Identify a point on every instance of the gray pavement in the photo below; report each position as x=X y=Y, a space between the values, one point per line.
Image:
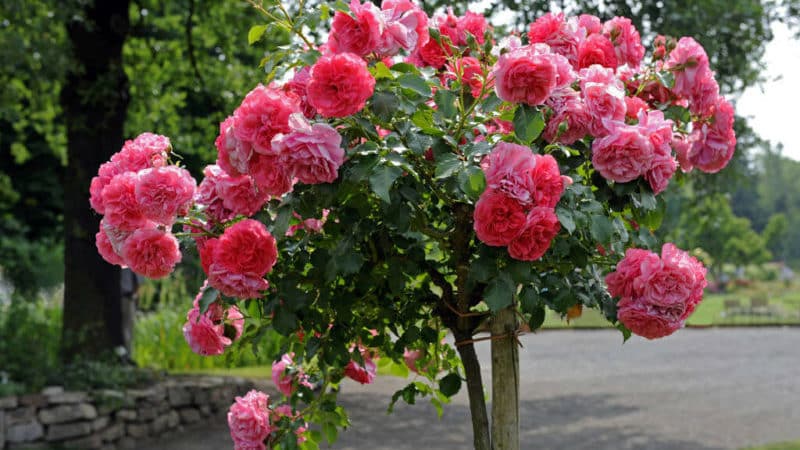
x=696 y=390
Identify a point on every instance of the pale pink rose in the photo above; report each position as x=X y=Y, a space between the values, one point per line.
x=233 y=155
x=509 y=169
x=264 y=112
x=553 y=30
x=713 y=143
x=704 y=94
x=621 y=281
x=605 y=103
x=474 y=24
x=249 y=418
x=596 y=49
x=271 y=174
x=624 y=155
x=106 y=250
x=541 y=226
x=146 y=150
x=627 y=42
x=340 y=85
x=298 y=86
x=313 y=152
x=689 y=63
x=525 y=75
x=151 y=252
x=121 y=208
x=364 y=374
x=163 y=193
x=600 y=75
x=359 y=32
x=588 y=23
x=406 y=26
x=571 y=111
x=661 y=171
x=549 y=185
x=498 y=218
x=117 y=237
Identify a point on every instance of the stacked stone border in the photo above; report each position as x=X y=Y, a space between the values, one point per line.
x=111 y=419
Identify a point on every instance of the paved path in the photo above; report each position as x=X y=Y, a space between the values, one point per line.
x=696 y=390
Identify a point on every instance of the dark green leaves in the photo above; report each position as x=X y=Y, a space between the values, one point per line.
x=450 y=384
x=415 y=83
x=528 y=123
x=566 y=219
x=382 y=179
x=500 y=292
x=447 y=164
x=209 y=296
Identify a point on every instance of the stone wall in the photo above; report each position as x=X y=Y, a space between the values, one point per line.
x=109 y=419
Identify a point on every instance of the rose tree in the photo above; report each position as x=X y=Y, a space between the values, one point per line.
x=413 y=182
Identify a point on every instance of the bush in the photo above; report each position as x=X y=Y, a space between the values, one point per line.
x=24 y=361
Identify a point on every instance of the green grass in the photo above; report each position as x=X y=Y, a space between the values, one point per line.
x=252 y=372
x=794 y=445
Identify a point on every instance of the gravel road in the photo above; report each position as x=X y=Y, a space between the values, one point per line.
x=700 y=389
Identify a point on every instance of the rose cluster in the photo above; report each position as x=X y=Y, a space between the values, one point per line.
x=287 y=375
x=517 y=207
x=141 y=196
x=591 y=80
x=255 y=424
x=657 y=294
x=209 y=333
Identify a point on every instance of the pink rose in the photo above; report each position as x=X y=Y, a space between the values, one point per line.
x=237 y=285
x=406 y=26
x=548 y=182
x=105 y=174
x=248 y=445
x=623 y=155
x=272 y=174
x=364 y=374
x=298 y=86
x=682 y=145
x=359 y=32
x=621 y=281
x=233 y=155
x=249 y=418
x=340 y=85
x=596 y=49
x=410 y=357
x=553 y=30
x=474 y=24
x=264 y=112
x=151 y=252
x=225 y=196
x=525 y=75
x=661 y=171
x=713 y=143
x=163 y=193
x=604 y=103
x=246 y=247
x=498 y=218
x=704 y=95
x=106 y=250
x=117 y=237
x=204 y=337
x=588 y=23
x=571 y=111
x=509 y=169
x=541 y=226
x=313 y=152
x=468 y=70
x=285 y=374
x=627 y=42
x=648 y=321
x=689 y=63
x=146 y=150
x=122 y=211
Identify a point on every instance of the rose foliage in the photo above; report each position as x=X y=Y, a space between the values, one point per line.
x=411 y=176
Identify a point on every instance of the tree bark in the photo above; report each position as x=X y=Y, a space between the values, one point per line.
x=477 y=404
x=505 y=381
x=94 y=99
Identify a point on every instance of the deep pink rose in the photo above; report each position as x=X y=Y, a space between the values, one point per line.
x=285 y=374
x=233 y=155
x=105 y=174
x=549 y=185
x=627 y=42
x=239 y=195
x=525 y=75
x=237 y=285
x=264 y=112
x=358 y=32
x=246 y=247
x=313 y=152
x=596 y=49
x=406 y=26
x=553 y=30
x=340 y=85
x=498 y=218
x=117 y=237
x=474 y=24
x=249 y=418
x=146 y=150
x=298 y=86
x=122 y=211
x=364 y=374
x=661 y=171
x=469 y=71
x=648 y=321
x=271 y=174
x=151 y=252
x=713 y=143
x=163 y=193
x=704 y=96
x=541 y=226
x=621 y=281
x=204 y=337
x=633 y=106
x=509 y=169
x=623 y=155
x=106 y=250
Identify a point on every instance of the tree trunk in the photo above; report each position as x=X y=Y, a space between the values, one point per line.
x=95 y=100
x=477 y=404
x=505 y=381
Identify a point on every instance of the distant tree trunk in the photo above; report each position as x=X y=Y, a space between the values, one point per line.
x=95 y=100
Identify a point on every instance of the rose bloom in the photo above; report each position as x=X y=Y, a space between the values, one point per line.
x=525 y=75
x=474 y=24
x=364 y=374
x=571 y=111
x=541 y=226
x=358 y=32
x=604 y=103
x=264 y=112
x=410 y=357
x=249 y=418
x=549 y=185
x=106 y=250
x=121 y=208
x=405 y=26
x=225 y=196
x=627 y=42
x=509 y=169
x=596 y=49
x=285 y=381
x=623 y=155
x=117 y=237
x=498 y=218
x=313 y=152
x=151 y=252
x=246 y=247
x=689 y=63
x=146 y=150
x=340 y=85
x=704 y=95
x=588 y=23
x=105 y=174
x=237 y=285
x=271 y=174
x=553 y=30
x=298 y=86
x=713 y=143
x=470 y=73
x=204 y=336
x=163 y=193
x=621 y=282
x=233 y=155
x=661 y=171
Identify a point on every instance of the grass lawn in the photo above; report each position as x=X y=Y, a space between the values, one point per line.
x=795 y=445
x=255 y=372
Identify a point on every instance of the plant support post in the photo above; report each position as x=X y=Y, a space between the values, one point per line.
x=505 y=381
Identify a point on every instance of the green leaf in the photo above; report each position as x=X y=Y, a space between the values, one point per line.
x=404 y=68
x=666 y=78
x=528 y=299
x=492 y=102
x=446 y=165
x=528 y=123
x=500 y=292
x=446 y=101
x=566 y=219
x=209 y=296
x=380 y=71
x=626 y=333
x=450 y=385
x=284 y=321
x=255 y=33
x=382 y=179
x=384 y=105
x=416 y=84
x=601 y=229
x=423 y=118
x=538 y=315
x=331 y=432
x=419 y=143
x=472 y=182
